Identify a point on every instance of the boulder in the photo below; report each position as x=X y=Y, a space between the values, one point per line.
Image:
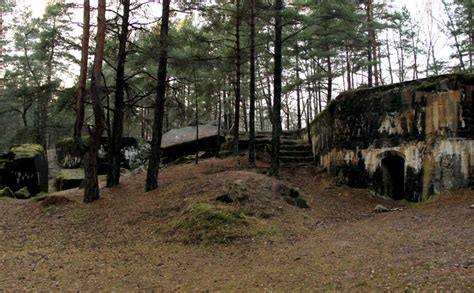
x=380 y=209
x=181 y=142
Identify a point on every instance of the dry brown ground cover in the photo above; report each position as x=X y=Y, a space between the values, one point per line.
x=117 y=243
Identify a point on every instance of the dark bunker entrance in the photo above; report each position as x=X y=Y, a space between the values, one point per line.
x=393 y=176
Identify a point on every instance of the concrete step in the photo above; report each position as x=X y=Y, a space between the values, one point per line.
x=295 y=147
x=296 y=159
x=288 y=142
x=296 y=153
x=293 y=165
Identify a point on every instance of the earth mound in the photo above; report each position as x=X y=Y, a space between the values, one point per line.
x=227 y=206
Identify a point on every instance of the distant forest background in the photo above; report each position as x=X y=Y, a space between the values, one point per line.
x=327 y=47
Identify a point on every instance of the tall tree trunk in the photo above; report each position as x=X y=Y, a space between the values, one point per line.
x=348 y=68
x=401 y=57
x=81 y=92
x=277 y=72
x=287 y=112
x=226 y=110
x=219 y=115
x=45 y=99
x=196 y=114
x=298 y=96
x=91 y=190
x=252 y=84
x=113 y=175
x=373 y=42
x=308 y=120
x=379 y=63
x=261 y=117
x=2 y=67
x=237 y=78
x=320 y=105
x=329 y=95
x=435 y=65
x=415 y=57
x=244 y=113
x=160 y=99
x=369 y=43
x=471 y=35
x=428 y=56
x=390 y=71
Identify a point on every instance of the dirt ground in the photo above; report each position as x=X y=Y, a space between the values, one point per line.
x=336 y=244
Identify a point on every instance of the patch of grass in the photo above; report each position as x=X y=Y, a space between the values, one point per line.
x=40 y=196
x=51 y=210
x=207 y=224
x=361 y=283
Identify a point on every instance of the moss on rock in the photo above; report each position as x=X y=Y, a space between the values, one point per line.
x=206 y=224
x=28 y=150
x=23 y=193
x=70 y=174
x=6 y=192
x=69 y=178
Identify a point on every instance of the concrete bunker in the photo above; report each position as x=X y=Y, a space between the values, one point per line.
x=405 y=141
x=393 y=175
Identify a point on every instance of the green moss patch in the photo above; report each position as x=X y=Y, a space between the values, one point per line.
x=69 y=178
x=27 y=151
x=23 y=193
x=69 y=143
x=40 y=196
x=6 y=192
x=207 y=224
x=71 y=174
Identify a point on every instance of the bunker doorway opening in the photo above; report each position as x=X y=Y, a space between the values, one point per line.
x=393 y=176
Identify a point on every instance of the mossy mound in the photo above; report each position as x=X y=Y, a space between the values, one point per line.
x=256 y=194
x=55 y=200
x=27 y=151
x=6 y=192
x=207 y=224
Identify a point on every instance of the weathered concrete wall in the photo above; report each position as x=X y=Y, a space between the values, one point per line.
x=131 y=150
x=24 y=166
x=427 y=124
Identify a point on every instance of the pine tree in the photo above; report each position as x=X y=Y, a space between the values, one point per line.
x=154 y=163
x=113 y=175
x=277 y=89
x=91 y=189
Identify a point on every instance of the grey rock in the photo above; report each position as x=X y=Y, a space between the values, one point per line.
x=380 y=209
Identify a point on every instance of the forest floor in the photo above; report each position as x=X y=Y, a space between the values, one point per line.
x=339 y=243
